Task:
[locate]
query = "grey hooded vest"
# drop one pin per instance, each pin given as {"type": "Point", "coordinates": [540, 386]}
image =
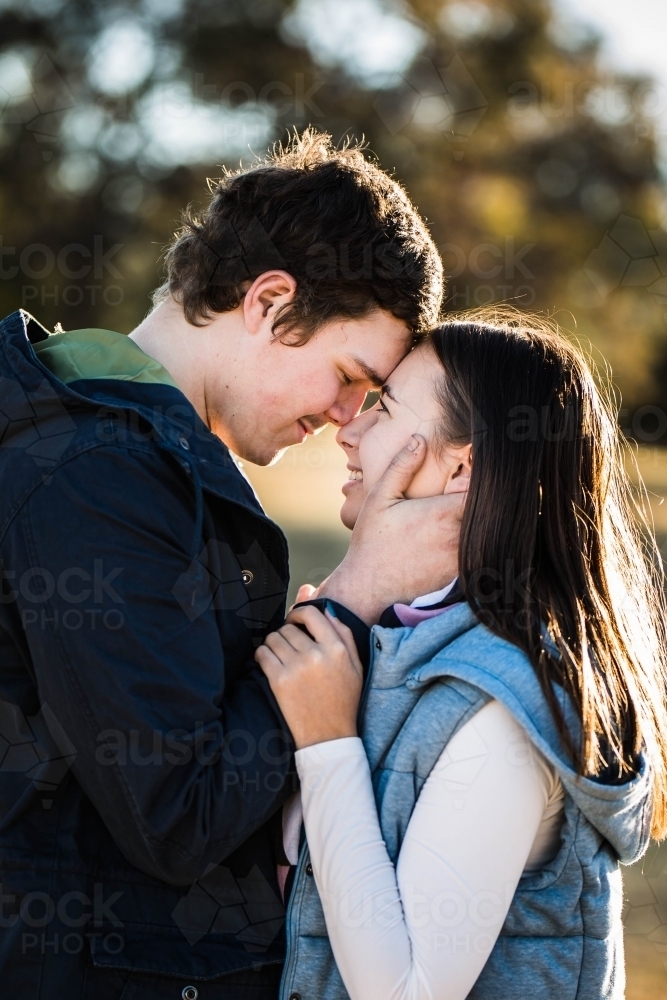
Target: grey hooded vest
{"type": "Point", "coordinates": [562, 938]}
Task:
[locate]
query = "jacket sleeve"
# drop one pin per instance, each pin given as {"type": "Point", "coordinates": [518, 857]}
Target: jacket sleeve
{"type": "Point", "coordinates": [181, 765]}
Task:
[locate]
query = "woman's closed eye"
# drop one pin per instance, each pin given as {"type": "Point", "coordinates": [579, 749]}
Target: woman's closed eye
{"type": "Point", "coordinates": [382, 407]}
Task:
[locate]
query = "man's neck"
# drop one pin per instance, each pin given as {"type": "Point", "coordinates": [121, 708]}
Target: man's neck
{"type": "Point", "coordinates": [166, 336]}
{"type": "Point", "coordinates": [160, 336]}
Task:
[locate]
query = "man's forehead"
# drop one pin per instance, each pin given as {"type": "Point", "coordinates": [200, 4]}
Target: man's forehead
{"type": "Point", "coordinates": [367, 371]}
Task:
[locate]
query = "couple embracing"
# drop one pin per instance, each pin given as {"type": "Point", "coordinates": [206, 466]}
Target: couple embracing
{"type": "Point", "coordinates": [421, 783]}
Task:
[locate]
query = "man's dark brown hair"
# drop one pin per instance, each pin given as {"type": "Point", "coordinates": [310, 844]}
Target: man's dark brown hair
{"type": "Point", "coordinates": [344, 229]}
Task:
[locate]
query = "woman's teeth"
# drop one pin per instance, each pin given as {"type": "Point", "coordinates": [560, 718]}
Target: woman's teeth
{"type": "Point", "coordinates": [356, 474]}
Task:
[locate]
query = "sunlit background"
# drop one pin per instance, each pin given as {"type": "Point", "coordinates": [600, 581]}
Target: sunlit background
{"type": "Point", "coordinates": [531, 134]}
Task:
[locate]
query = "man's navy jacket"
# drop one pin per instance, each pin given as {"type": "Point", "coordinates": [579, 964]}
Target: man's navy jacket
{"type": "Point", "coordinates": [143, 759]}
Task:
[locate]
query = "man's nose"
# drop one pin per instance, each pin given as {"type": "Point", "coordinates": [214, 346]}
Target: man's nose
{"type": "Point", "coordinates": [347, 405]}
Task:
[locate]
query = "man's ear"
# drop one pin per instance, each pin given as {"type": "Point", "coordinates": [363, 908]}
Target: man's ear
{"type": "Point", "coordinates": [459, 478]}
{"type": "Point", "coordinates": [268, 293]}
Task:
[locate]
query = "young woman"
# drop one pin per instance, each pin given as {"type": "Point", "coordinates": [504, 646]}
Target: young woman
{"type": "Point", "coordinates": [513, 725]}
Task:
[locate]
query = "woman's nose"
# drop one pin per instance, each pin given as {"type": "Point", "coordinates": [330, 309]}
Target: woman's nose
{"type": "Point", "coordinates": [349, 434]}
{"type": "Point", "coordinates": [346, 438]}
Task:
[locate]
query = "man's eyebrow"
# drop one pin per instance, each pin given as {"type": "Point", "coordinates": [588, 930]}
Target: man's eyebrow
{"type": "Point", "coordinates": [369, 373]}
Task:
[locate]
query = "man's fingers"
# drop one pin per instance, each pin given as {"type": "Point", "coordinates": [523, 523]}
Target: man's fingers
{"type": "Point", "coordinates": [305, 593]}
{"type": "Point", "coordinates": [401, 470]}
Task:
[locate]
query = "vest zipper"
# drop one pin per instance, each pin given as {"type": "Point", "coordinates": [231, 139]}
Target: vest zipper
{"type": "Point", "coordinates": [365, 689]}
{"type": "Point", "coordinates": [284, 992]}
{"type": "Point", "coordinates": [290, 951]}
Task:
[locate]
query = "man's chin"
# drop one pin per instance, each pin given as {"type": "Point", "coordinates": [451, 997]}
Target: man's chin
{"type": "Point", "coordinates": [264, 457]}
{"type": "Point", "coordinates": [268, 452]}
{"type": "Point", "coordinates": [276, 458]}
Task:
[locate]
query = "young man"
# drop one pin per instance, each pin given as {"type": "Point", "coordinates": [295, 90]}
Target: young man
{"type": "Point", "coordinates": [144, 760]}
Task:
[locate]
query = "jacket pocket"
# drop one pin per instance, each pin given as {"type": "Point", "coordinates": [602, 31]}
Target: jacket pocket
{"type": "Point", "coordinates": [113, 984]}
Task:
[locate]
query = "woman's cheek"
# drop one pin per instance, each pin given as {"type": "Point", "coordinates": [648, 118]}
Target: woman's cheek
{"type": "Point", "coordinates": [376, 450]}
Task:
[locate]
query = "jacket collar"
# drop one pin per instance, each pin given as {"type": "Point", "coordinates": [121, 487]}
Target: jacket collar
{"type": "Point", "coordinates": [176, 423]}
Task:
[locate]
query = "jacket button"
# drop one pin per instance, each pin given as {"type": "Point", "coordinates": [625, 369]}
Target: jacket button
{"type": "Point", "coordinates": [309, 869]}
{"type": "Point", "coordinates": [378, 644]}
{"type": "Point", "coordinates": [185, 445]}
{"type": "Point", "coordinates": [190, 993]}
{"type": "Point", "coordinates": [247, 576]}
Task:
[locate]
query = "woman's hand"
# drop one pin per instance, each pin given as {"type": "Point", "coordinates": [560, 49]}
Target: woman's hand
{"type": "Point", "coordinates": [316, 681]}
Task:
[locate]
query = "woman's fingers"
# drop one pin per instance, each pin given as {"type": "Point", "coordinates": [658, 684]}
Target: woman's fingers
{"type": "Point", "coordinates": [297, 638]}
{"type": "Point", "coordinates": [345, 634]}
{"type": "Point", "coordinates": [319, 627]}
{"type": "Point", "coordinates": [268, 661]}
{"type": "Point", "coordinates": [315, 677]}
{"type": "Point", "coordinates": [280, 647]}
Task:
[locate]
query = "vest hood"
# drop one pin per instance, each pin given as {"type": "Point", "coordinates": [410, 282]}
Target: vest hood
{"type": "Point", "coordinates": [456, 645]}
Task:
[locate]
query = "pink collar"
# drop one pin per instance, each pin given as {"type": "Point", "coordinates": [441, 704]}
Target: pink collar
{"type": "Point", "coordinates": [411, 617]}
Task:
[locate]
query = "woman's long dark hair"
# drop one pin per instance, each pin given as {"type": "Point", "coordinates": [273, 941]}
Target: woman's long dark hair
{"type": "Point", "coordinates": [551, 544]}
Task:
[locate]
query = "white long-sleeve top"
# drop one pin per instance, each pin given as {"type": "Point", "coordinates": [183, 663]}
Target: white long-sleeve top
{"type": "Point", "coordinates": [423, 930]}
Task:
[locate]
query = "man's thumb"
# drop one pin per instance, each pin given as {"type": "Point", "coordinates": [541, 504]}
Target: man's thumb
{"type": "Point", "coordinates": [402, 469]}
{"type": "Point", "coordinates": [305, 593]}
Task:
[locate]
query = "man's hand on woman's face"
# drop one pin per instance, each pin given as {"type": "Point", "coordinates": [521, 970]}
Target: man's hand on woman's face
{"type": "Point", "coordinates": [399, 548]}
{"type": "Point", "coordinates": [316, 677]}
{"type": "Point", "coordinates": [306, 592]}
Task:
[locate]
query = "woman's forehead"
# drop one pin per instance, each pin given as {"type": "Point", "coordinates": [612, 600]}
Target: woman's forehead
{"type": "Point", "coordinates": [419, 366]}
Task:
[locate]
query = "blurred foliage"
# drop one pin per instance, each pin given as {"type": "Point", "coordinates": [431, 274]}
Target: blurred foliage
{"type": "Point", "coordinates": [537, 172]}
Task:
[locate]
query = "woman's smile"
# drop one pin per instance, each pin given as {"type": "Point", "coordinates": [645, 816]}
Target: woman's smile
{"type": "Point", "coordinates": [356, 478]}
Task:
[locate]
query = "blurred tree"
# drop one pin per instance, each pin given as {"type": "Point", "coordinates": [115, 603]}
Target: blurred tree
{"type": "Point", "coordinates": [536, 170]}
